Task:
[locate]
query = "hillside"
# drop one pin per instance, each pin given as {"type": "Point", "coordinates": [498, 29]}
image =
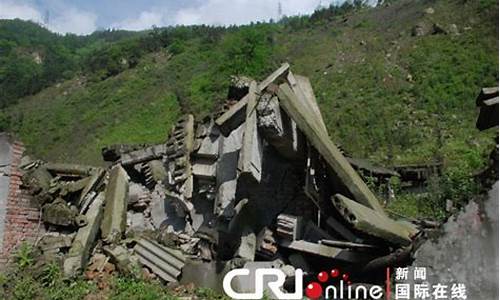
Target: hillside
{"type": "Point", "coordinates": [33, 58]}
{"type": "Point", "coordinates": [385, 93]}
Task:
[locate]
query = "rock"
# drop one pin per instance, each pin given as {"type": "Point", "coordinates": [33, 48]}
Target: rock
{"type": "Point", "coordinates": [429, 10]}
{"type": "Point", "coordinates": [248, 245]}
{"type": "Point", "coordinates": [58, 213]}
{"type": "Point", "coordinates": [453, 29]}
{"type": "Point", "coordinates": [120, 256]}
{"type": "Point", "coordinates": [418, 30]}
{"type": "Point", "coordinates": [139, 197]}
{"type": "Point", "coordinates": [54, 243]}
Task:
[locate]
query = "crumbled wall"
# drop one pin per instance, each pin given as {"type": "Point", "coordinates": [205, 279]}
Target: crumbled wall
{"type": "Point", "coordinates": [21, 215]}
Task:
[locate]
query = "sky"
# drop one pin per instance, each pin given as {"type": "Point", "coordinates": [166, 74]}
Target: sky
{"type": "Point", "coordinates": [86, 16]}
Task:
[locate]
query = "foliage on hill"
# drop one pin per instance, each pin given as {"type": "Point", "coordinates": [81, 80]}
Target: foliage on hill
{"type": "Point", "coordinates": [32, 57]}
{"type": "Point", "coordinates": [385, 94]}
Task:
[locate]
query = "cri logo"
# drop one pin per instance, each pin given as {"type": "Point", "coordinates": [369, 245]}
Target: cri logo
{"type": "Point", "coordinates": [313, 290]}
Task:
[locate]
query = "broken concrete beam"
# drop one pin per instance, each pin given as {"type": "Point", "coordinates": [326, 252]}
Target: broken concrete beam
{"type": "Point", "coordinates": [277, 128]}
{"type": "Point", "coordinates": [165, 262]}
{"type": "Point", "coordinates": [281, 72]}
{"type": "Point", "coordinates": [326, 251]}
{"type": "Point", "coordinates": [347, 245]}
{"type": "Point", "coordinates": [311, 127]}
{"type": "Point", "coordinates": [68, 187]}
{"type": "Point", "coordinates": [79, 252]}
{"type": "Point", "coordinates": [308, 101]}
{"type": "Point", "coordinates": [289, 227]}
{"type": "Point", "coordinates": [143, 155]}
{"type": "Point", "coordinates": [373, 223]}
{"type": "Point", "coordinates": [250, 161]}
{"type": "Point", "coordinates": [58, 213]}
{"type": "Point", "coordinates": [95, 179]}
{"type": "Point", "coordinates": [69, 169]}
{"type": "Point", "coordinates": [115, 208]}
{"type": "Point", "coordinates": [235, 116]}
{"type": "Point", "coordinates": [227, 175]}
{"type": "Point", "coordinates": [342, 230]}
{"type": "Point", "coordinates": [305, 85]}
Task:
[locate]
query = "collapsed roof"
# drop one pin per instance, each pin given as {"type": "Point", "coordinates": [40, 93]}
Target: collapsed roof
{"type": "Point", "coordinates": [261, 181]}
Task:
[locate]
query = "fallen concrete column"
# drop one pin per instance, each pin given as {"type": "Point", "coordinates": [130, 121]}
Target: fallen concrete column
{"type": "Point", "coordinates": [79, 252]}
{"type": "Point", "coordinates": [371, 222]}
{"type": "Point", "coordinates": [311, 127]}
{"type": "Point", "coordinates": [95, 179]}
{"type": "Point", "coordinates": [250, 161]}
{"type": "Point", "coordinates": [300, 85]}
{"type": "Point", "coordinates": [70, 169]}
{"type": "Point", "coordinates": [143, 155]}
{"type": "Point", "coordinates": [115, 208]}
{"type": "Point", "coordinates": [234, 117]}
{"type": "Point", "coordinates": [227, 172]}
{"type": "Point", "coordinates": [327, 251]}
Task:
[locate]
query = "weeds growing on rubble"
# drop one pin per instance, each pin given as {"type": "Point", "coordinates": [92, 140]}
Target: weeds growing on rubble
{"type": "Point", "coordinates": [25, 280]}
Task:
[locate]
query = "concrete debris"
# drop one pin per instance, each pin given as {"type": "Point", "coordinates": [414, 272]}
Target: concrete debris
{"type": "Point", "coordinates": [53, 244]}
{"type": "Point", "coordinates": [165, 262]}
{"type": "Point", "coordinates": [85, 238]}
{"type": "Point", "coordinates": [260, 184]}
{"type": "Point", "coordinates": [115, 207]}
{"type": "Point", "coordinates": [58, 213]}
{"type": "Point", "coordinates": [289, 227]}
{"type": "Point", "coordinates": [248, 244]}
{"type": "Point", "coordinates": [121, 257]}
{"type": "Point", "coordinates": [267, 246]}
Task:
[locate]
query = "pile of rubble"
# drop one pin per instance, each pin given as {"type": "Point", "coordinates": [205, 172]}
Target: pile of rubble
{"type": "Point", "coordinates": [259, 184]}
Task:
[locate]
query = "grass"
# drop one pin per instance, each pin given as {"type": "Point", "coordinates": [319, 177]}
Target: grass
{"type": "Point", "coordinates": [28, 280]}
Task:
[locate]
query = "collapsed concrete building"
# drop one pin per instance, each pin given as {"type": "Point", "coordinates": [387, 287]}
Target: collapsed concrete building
{"type": "Point", "coordinates": [258, 184]}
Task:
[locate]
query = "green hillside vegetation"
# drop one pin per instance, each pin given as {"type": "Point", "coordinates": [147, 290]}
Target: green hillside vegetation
{"type": "Point", "coordinates": [385, 94]}
{"type": "Point", "coordinates": [32, 57]}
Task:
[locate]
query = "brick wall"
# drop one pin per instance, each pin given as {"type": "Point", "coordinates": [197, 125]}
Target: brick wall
{"type": "Point", "coordinates": [22, 215]}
